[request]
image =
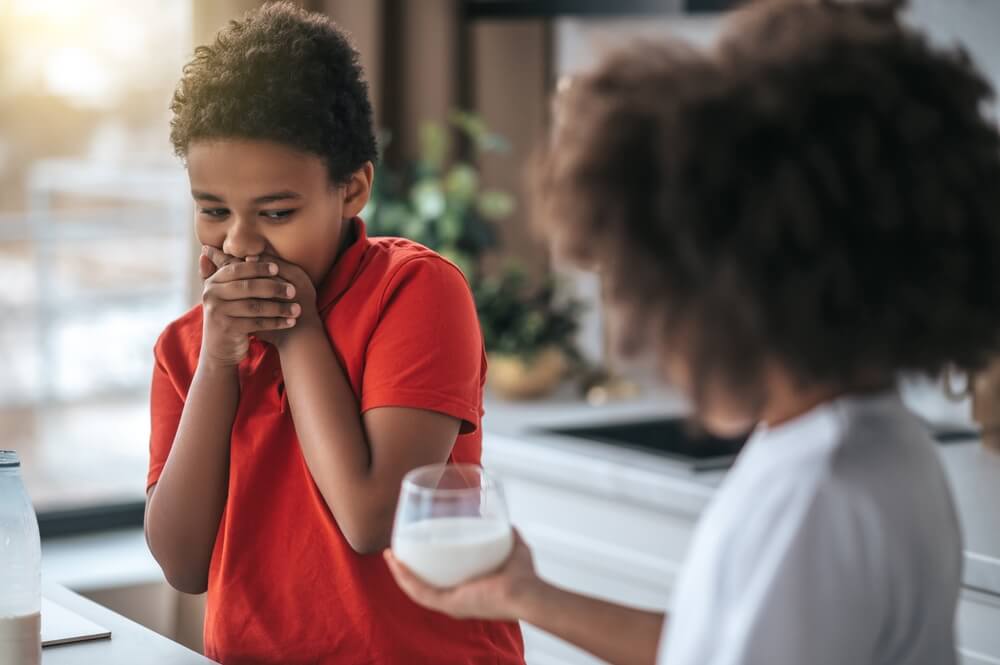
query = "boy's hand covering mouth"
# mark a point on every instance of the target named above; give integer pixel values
(241, 298)
(304, 293)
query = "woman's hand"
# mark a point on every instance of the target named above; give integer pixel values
(613, 633)
(496, 596)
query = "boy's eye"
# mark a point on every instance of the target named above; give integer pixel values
(277, 214)
(216, 213)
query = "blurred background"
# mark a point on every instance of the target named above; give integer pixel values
(96, 243)
(96, 247)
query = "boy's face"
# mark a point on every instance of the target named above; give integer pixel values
(259, 197)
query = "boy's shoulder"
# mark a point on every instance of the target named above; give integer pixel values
(389, 253)
(391, 262)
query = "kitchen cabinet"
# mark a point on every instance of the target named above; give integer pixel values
(978, 626)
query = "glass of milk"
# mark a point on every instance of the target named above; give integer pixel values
(451, 524)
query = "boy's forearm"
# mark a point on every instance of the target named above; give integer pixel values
(620, 635)
(328, 425)
(186, 504)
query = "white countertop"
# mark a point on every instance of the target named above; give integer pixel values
(648, 479)
(620, 473)
(130, 643)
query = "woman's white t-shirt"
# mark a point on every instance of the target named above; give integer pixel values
(832, 541)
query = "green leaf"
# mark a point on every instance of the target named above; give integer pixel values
(428, 199)
(394, 216)
(462, 182)
(449, 228)
(470, 124)
(434, 145)
(493, 143)
(495, 205)
(414, 228)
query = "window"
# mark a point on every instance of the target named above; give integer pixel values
(94, 241)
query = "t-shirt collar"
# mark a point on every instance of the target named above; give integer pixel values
(818, 427)
(345, 269)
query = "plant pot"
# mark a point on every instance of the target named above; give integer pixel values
(520, 377)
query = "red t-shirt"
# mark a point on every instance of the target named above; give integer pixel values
(284, 586)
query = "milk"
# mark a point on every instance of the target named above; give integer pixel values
(450, 550)
(21, 640)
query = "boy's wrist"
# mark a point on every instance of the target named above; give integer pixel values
(303, 330)
(208, 365)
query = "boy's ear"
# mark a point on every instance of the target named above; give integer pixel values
(358, 190)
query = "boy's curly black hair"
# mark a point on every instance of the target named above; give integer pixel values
(820, 190)
(279, 74)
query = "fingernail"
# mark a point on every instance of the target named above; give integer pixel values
(204, 250)
(290, 291)
(290, 322)
(272, 268)
(296, 309)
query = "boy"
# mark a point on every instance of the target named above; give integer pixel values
(320, 367)
(794, 218)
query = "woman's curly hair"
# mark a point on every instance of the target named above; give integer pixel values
(820, 190)
(279, 74)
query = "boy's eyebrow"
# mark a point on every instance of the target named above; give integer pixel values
(267, 198)
(205, 196)
(277, 196)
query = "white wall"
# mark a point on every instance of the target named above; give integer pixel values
(975, 24)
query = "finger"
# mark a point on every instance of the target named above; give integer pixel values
(252, 308)
(242, 270)
(260, 287)
(247, 326)
(291, 271)
(218, 257)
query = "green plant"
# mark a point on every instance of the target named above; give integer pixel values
(441, 203)
(518, 318)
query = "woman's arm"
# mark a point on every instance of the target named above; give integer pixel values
(617, 634)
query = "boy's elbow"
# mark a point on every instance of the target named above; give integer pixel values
(186, 583)
(181, 574)
(185, 576)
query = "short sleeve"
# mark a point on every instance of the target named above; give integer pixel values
(793, 586)
(426, 351)
(166, 406)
